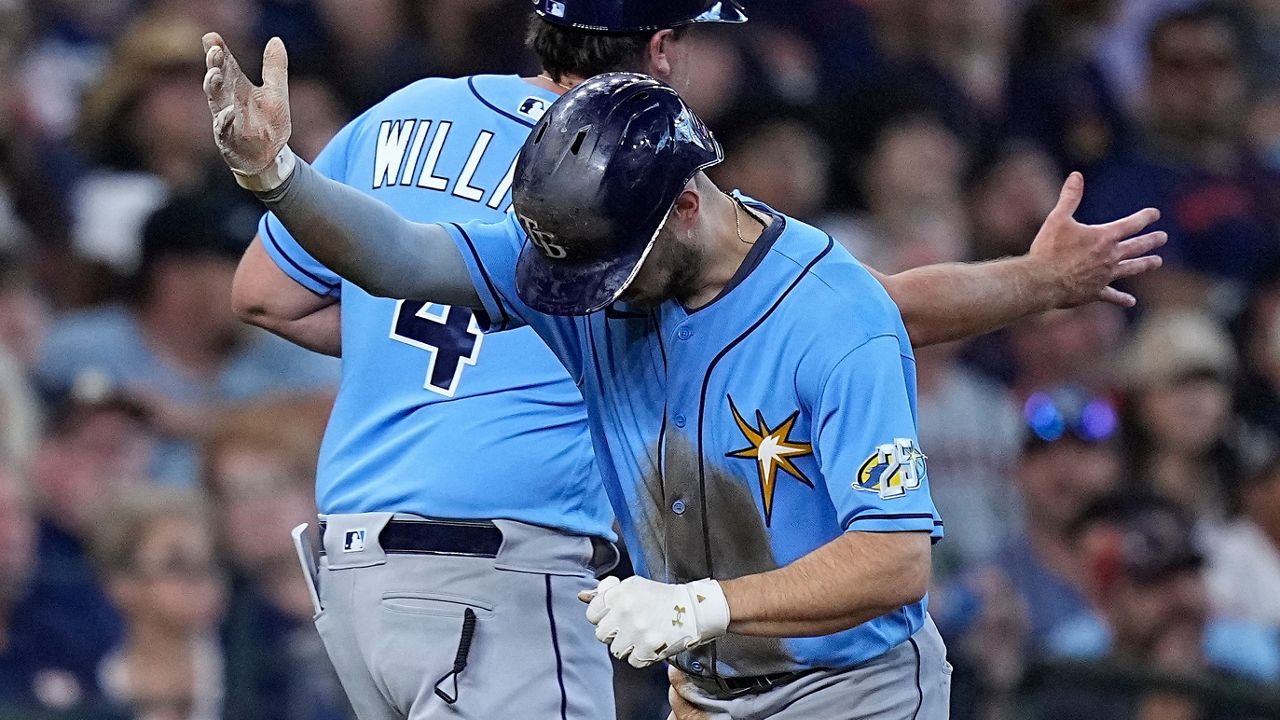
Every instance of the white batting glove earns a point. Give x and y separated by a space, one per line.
251 123
646 621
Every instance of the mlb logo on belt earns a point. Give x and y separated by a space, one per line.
353 541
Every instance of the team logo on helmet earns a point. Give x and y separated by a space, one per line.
541 239
892 470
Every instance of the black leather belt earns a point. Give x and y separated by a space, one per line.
466 538
437 537
735 686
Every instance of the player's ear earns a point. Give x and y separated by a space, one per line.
659 55
687 205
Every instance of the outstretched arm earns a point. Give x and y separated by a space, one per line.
1069 264
356 236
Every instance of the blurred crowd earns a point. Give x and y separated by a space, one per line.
1110 479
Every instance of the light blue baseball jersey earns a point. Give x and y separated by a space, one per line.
736 438
432 416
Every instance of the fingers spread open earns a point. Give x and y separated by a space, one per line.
1069 197
1133 224
1137 266
1115 297
1143 244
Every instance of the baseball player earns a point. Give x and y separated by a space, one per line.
627 241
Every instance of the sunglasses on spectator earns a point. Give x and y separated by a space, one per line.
1052 415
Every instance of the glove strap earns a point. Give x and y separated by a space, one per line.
710 607
270 177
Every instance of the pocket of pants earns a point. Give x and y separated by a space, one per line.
438 604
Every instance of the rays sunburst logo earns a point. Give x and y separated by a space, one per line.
772 449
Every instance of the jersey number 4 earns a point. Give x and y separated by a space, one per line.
449 334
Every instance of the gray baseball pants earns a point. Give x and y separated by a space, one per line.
910 682
394 625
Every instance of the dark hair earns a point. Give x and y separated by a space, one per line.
565 51
1201 14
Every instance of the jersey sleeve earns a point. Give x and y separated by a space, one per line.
287 254
490 251
866 443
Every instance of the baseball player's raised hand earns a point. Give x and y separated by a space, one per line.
646 621
1085 259
250 123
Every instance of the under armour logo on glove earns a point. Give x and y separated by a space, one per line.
629 617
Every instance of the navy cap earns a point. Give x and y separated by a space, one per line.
210 223
633 16
594 183
1152 536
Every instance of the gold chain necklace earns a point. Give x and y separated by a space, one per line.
557 82
737 218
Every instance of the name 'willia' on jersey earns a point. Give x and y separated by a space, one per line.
405 157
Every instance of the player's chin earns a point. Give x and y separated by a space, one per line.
637 298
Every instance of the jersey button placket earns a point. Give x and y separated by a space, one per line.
684 333
677 507
678 419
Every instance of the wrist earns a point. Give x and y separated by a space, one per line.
711 608
1043 288
272 176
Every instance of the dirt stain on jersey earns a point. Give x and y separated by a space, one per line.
688 535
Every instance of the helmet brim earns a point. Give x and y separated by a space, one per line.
728 11
559 287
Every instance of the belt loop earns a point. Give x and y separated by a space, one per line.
352 540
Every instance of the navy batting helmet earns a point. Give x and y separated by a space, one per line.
594 183
633 16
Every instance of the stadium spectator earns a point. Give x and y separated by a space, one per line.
999 613
179 346
1012 191
95 444
1070 457
138 126
912 186
1220 205
798 187
259 470
368 40
1059 94
1161 646
154 551
1064 347
1243 572
1182 439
